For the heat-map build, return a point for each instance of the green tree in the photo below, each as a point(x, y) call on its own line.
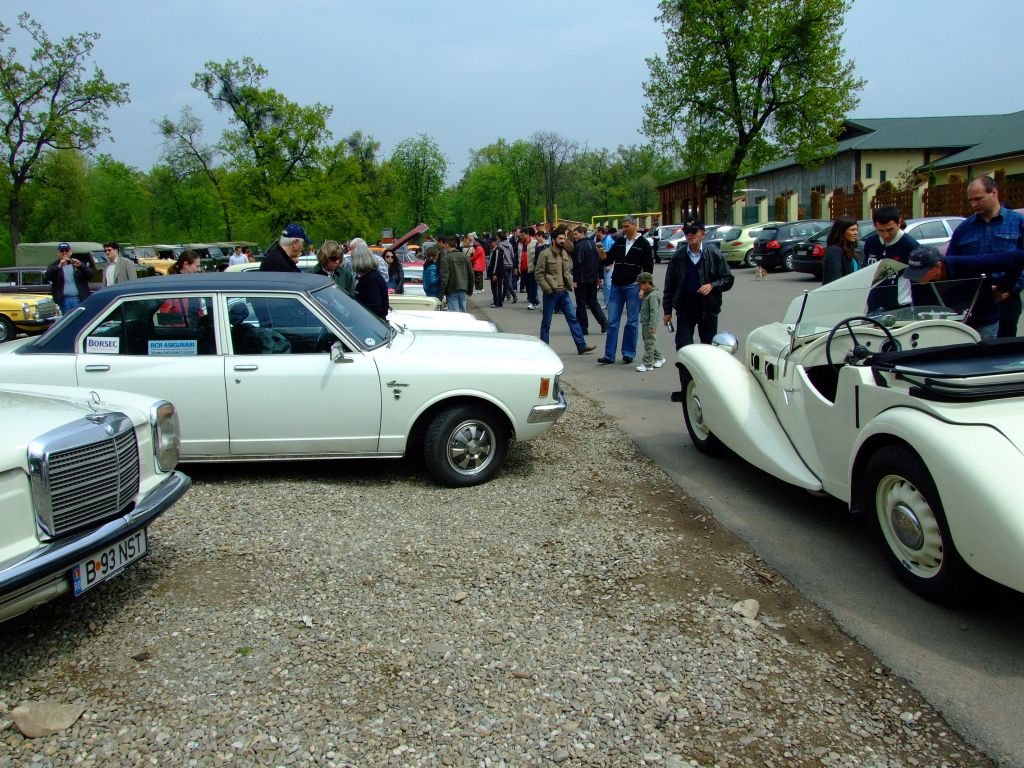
point(274, 145)
point(420, 169)
point(118, 202)
point(49, 103)
point(747, 81)
point(55, 202)
point(186, 155)
point(555, 153)
point(522, 165)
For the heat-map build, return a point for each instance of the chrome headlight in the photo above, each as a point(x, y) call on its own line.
point(726, 341)
point(27, 311)
point(163, 418)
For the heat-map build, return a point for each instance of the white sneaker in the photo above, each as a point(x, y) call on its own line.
point(531, 306)
point(643, 368)
point(659, 362)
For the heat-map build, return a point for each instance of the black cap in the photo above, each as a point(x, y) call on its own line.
point(692, 226)
point(920, 260)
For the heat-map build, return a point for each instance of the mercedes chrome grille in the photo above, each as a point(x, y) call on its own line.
point(84, 472)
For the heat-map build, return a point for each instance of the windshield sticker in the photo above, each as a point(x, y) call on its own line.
point(183, 347)
point(103, 345)
point(369, 341)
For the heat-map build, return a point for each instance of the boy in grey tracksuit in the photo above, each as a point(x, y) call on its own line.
point(650, 313)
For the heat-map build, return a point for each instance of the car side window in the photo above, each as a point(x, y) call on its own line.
point(929, 229)
point(264, 325)
point(167, 326)
point(33, 278)
point(9, 279)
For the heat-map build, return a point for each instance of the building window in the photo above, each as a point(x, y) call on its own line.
point(867, 170)
point(881, 175)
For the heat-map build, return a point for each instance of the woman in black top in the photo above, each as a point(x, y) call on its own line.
point(396, 275)
point(841, 252)
point(371, 289)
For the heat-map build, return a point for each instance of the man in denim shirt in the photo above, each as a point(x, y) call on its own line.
point(992, 228)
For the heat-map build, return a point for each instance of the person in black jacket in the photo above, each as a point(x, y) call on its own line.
point(631, 254)
point(69, 279)
point(696, 278)
point(371, 289)
point(840, 257)
point(283, 256)
point(586, 272)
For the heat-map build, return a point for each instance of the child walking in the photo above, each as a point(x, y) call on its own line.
point(650, 313)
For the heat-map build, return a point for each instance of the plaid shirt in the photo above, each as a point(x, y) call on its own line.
point(975, 236)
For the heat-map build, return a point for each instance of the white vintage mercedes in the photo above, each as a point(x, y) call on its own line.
point(82, 475)
point(871, 389)
point(290, 367)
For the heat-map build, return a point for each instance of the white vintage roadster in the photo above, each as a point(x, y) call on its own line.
point(873, 391)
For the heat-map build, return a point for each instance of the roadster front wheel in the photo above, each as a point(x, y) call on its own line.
point(905, 513)
point(693, 413)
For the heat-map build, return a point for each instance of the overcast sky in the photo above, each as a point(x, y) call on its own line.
point(467, 73)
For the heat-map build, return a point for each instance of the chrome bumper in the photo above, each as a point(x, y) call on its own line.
point(548, 413)
point(44, 574)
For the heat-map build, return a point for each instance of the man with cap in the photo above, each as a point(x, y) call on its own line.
point(696, 278)
point(69, 279)
point(283, 256)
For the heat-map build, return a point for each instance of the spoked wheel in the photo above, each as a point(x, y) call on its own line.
point(693, 413)
point(465, 445)
point(906, 515)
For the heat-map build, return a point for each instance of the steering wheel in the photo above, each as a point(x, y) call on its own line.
point(323, 341)
point(859, 351)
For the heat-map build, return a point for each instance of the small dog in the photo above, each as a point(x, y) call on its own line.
point(760, 273)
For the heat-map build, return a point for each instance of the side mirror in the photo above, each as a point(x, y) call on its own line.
point(338, 353)
point(726, 341)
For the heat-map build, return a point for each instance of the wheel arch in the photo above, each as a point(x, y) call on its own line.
point(869, 448)
point(427, 415)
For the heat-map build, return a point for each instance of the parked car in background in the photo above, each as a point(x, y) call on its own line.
point(24, 280)
point(30, 313)
point(737, 243)
point(286, 366)
point(669, 237)
point(718, 234)
point(808, 255)
point(84, 474)
point(932, 230)
point(902, 414)
point(774, 244)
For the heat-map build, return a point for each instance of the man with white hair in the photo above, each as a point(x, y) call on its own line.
point(283, 256)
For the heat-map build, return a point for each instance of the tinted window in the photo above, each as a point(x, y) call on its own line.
point(731, 233)
point(927, 230)
point(8, 278)
point(156, 326)
point(263, 325)
point(34, 278)
point(768, 233)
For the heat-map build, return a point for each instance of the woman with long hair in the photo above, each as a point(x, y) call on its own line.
point(841, 250)
point(396, 274)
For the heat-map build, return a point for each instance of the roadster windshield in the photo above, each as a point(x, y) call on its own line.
point(880, 291)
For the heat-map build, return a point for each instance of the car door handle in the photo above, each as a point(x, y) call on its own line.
point(246, 367)
point(96, 368)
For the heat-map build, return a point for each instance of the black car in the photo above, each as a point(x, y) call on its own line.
point(773, 248)
point(808, 255)
point(24, 280)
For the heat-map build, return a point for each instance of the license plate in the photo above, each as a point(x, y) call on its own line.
point(109, 562)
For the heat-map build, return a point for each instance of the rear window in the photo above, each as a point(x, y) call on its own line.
point(804, 230)
point(729, 234)
point(667, 232)
point(768, 233)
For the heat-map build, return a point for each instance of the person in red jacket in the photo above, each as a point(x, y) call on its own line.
point(479, 261)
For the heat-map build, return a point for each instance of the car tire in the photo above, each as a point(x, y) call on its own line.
point(906, 516)
point(746, 258)
point(787, 262)
point(693, 414)
point(465, 445)
point(6, 329)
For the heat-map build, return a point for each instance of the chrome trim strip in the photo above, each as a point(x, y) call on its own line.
point(541, 414)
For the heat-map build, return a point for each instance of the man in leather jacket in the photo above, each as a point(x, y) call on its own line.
point(694, 282)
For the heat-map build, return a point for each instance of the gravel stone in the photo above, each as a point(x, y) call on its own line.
point(577, 610)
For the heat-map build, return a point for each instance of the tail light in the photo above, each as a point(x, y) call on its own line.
point(817, 252)
point(772, 245)
point(738, 242)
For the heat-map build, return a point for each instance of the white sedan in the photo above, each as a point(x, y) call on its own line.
point(873, 391)
point(291, 367)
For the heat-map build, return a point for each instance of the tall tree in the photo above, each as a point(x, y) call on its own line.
point(274, 145)
point(420, 169)
point(749, 80)
point(522, 164)
point(555, 153)
point(186, 154)
point(49, 103)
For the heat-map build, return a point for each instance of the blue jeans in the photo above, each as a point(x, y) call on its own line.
point(989, 331)
point(620, 296)
point(607, 284)
point(530, 282)
point(68, 303)
point(563, 304)
point(457, 301)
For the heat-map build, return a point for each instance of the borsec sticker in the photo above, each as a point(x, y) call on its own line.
point(103, 345)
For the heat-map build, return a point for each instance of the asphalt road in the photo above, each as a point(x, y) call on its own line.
point(969, 663)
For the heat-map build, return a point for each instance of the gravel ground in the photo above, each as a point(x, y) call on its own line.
point(578, 610)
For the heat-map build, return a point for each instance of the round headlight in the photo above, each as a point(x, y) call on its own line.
point(726, 341)
point(163, 418)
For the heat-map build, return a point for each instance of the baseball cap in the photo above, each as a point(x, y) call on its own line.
point(64, 247)
point(692, 226)
point(295, 230)
point(920, 260)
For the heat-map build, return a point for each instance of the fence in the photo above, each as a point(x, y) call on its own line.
point(904, 202)
point(846, 203)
